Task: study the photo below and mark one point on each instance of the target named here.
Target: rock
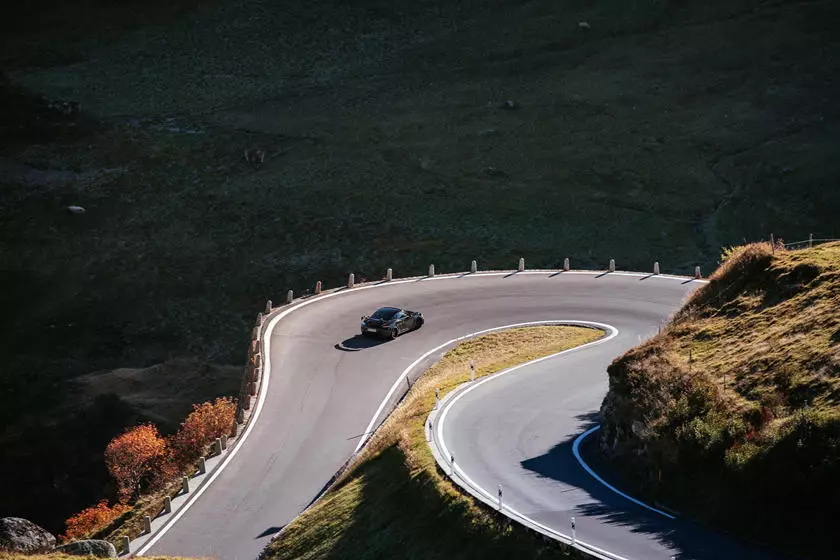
(510, 104)
(584, 25)
(76, 209)
(20, 535)
(100, 549)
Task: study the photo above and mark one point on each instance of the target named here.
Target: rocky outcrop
(97, 548)
(20, 535)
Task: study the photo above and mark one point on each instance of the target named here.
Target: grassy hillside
(679, 126)
(395, 503)
(733, 412)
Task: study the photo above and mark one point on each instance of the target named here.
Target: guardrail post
(167, 504)
(772, 244)
(317, 287)
(268, 307)
(473, 267)
(240, 416)
(290, 295)
(500, 497)
(147, 524)
(612, 265)
(224, 441)
(437, 397)
(521, 264)
(351, 280)
(656, 267)
(217, 446)
(810, 240)
(566, 264)
(202, 465)
(697, 272)
(574, 536)
(125, 544)
(389, 275)
(185, 484)
(431, 270)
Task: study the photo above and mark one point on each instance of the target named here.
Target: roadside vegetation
(394, 502)
(732, 413)
(60, 556)
(145, 467)
(389, 143)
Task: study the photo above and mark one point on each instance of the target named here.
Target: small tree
(205, 423)
(134, 457)
(90, 520)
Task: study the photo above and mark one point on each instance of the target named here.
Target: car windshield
(385, 313)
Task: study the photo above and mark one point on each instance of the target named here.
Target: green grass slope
(395, 503)
(732, 413)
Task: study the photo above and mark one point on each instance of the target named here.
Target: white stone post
(167, 504)
(473, 267)
(147, 524)
(317, 287)
(612, 265)
(500, 497)
(431, 270)
(351, 280)
(656, 267)
(697, 272)
(574, 536)
(437, 397)
(268, 307)
(217, 446)
(185, 484)
(389, 275)
(224, 441)
(566, 264)
(202, 465)
(472, 370)
(521, 264)
(290, 295)
(126, 544)
(810, 240)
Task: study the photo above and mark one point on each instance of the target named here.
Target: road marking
(444, 451)
(576, 451)
(266, 334)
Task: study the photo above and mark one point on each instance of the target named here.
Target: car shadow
(358, 342)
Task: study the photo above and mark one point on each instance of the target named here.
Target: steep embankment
(732, 413)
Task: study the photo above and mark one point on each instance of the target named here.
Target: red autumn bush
(92, 519)
(205, 423)
(134, 459)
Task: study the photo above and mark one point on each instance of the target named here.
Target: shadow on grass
(358, 342)
(387, 511)
(685, 539)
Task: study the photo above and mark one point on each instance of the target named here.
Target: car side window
(400, 315)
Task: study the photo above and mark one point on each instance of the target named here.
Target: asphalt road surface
(326, 383)
(517, 430)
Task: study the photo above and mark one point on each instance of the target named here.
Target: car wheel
(393, 333)
(420, 322)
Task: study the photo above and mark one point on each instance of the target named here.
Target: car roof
(389, 309)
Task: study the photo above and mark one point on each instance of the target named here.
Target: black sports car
(391, 322)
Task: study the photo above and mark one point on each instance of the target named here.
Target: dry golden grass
(740, 395)
(393, 502)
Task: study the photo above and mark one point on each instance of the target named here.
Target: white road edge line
(587, 468)
(613, 332)
(266, 334)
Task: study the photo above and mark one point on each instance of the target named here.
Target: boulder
(97, 548)
(20, 535)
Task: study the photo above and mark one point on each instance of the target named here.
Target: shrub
(92, 519)
(205, 423)
(134, 458)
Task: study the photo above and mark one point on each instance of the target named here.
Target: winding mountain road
(325, 384)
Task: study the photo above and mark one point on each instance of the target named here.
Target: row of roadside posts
(571, 519)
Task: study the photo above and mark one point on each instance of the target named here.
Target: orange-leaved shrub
(92, 519)
(205, 423)
(135, 458)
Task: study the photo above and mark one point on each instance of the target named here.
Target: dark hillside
(661, 131)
